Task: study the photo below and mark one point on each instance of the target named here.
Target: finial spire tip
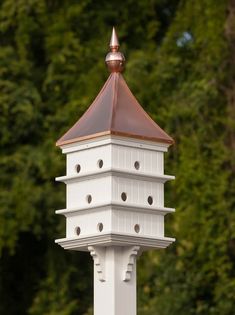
(114, 43)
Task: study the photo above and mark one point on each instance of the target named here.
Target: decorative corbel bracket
(130, 255)
(125, 258)
(98, 254)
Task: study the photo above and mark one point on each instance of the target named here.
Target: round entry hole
(137, 228)
(78, 230)
(100, 163)
(124, 196)
(150, 200)
(100, 227)
(89, 198)
(78, 168)
(137, 165)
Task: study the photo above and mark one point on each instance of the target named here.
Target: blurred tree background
(181, 67)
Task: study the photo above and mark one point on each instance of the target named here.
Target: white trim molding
(109, 239)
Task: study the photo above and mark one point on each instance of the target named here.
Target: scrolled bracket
(129, 259)
(98, 255)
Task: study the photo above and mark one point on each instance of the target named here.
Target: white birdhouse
(115, 188)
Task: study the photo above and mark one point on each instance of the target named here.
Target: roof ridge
(115, 92)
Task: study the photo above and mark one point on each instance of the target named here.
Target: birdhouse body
(114, 193)
(115, 188)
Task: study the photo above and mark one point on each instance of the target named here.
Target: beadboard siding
(110, 188)
(99, 189)
(137, 191)
(115, 221)
(88, 223)
(105, 184)
(150, 161)
(115, 156)
(88, 159)
(150, 224)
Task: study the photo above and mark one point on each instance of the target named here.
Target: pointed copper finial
(114, 60)
(114, 43)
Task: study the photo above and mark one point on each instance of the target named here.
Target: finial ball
(115, 61)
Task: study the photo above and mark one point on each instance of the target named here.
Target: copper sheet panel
(115, 111)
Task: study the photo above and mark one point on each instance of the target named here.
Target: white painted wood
(115, 206)
(88, 223)
(150, 225)
(115, 210)
(114, 221)
(99, 256)
(114, 171)
(104, 184)
(78, 192)
(90, 164)
(115, 157)
(137, 191)
(150, 162)
(117, 293)
(122, 141)
(110, 189)
(107, 239)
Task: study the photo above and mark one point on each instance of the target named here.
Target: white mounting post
(114, 279)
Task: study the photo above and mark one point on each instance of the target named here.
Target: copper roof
(115, 111)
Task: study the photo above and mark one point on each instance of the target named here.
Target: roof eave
(169, 141)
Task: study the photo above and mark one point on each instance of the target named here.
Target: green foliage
(179, 67)
(197, 275)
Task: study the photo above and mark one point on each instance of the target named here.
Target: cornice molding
(110, 239)
(114, 140)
